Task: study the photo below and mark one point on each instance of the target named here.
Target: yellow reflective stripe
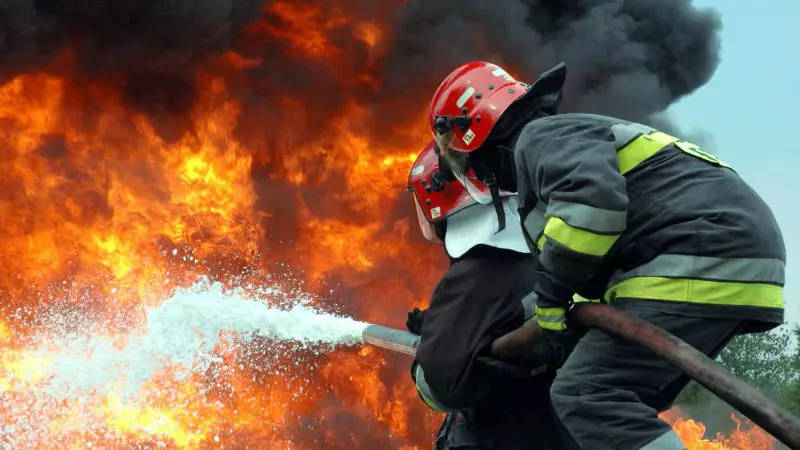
(647, 145)
(551, 318)
(578, 240)
(576, 298)
(642, 148)
(723, 293)
(540, 242)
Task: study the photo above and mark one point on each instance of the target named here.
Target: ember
(262, 144)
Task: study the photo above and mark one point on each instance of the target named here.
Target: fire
(110, 203)
(693, 434)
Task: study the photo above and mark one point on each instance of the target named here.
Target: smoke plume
(628, 58)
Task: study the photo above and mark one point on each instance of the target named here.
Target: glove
(414, 321)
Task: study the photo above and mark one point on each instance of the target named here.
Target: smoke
(626, 58)
(120, 35)
(630, 59)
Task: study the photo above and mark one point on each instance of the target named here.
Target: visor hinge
(446, 124)
(437, 183)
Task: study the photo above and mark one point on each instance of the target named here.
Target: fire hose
(753, 404)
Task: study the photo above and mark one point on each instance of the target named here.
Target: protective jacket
(621, 211)
(477, 300)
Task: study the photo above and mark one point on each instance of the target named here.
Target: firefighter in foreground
(477, 300)
(650, 223)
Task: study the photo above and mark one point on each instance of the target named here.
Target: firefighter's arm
(461, 322)
(575, 171)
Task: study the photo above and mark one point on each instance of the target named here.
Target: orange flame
(693, 435)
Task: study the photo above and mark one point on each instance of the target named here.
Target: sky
(751, 110)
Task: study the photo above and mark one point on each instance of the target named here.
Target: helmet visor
(458, 163)
(426, 227)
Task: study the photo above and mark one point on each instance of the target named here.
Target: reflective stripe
(534, 225)
(540, 242)
(602, 221)
(625, 133)
(642, 148)
(667, 441)
(534, 221)
(551, 318)
(579, 299)
(578, 240)
(748, 270)
(722, 293)
(425, 390)
(636, 143)
(529, 306)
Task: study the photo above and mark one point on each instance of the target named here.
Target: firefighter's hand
(415, 320)
(562, 343)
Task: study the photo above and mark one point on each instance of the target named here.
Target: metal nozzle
(391, 339)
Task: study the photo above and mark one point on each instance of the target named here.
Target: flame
(107, 208)
(693, 434)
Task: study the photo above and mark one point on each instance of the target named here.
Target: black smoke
(631, 58)
(113, 36)
(628, 58)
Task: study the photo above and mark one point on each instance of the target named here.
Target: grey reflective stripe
(425, 390)
(551, 318)
(601, 221)
(529, 305)
(748, 270)
(624, 134)
(534, 221)
(667, 441)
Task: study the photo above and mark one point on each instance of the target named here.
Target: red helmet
(470, 101)
(468, 104)
(436, 195)
(464, 110)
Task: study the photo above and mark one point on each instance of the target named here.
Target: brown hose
(750, 402)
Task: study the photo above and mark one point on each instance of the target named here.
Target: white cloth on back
(477, 224)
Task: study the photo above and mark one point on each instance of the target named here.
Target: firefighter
(479, 298)
(652, 224)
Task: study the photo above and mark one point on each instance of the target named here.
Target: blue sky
(751, 109)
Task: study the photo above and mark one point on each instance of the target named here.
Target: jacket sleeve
(572, 166)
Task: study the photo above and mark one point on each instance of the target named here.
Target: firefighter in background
(479, 298)
(652, 224)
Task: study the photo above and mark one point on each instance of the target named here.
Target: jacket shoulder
(539, 133)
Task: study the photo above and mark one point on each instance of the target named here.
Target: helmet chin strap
(497, 201)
